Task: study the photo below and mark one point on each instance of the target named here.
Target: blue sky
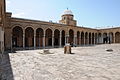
(88, 13)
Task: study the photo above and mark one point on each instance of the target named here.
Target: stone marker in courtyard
(67, 49)
(46, 51)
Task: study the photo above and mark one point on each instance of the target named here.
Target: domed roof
(68, 12)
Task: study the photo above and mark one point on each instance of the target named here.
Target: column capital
(60, 31)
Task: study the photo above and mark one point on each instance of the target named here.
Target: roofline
(52, 23)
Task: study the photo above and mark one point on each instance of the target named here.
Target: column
(97, 39)
(53, 39)
(107, 38)
(80, 39)
(113, 37)
(88, 39)
(75, 39)
(94, 39)
(44, 39)
(23, 39)
(34, 39)
(67, 39)
(84, 39)
(60, 39)
(91, 39)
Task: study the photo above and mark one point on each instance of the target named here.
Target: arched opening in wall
(111, 37)
(82, 38)
(17, 37)
(78, 38)
(93, 38)
(63, 37)
(86, 38)
(71, 36)
(89, 38)
(48, 37)
(117, 37)
(105, 38)
(56, 37)
(100, 38)
(29, 37)
(39, 37)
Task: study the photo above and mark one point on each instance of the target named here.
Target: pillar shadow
(6, 72)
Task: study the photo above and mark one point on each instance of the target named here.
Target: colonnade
(48, 38)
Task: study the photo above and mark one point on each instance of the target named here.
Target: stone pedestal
(67, 49)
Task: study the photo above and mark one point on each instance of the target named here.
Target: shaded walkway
(5, 68)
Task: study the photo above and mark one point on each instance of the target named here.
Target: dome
(67, 12)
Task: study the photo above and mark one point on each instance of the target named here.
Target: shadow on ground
(6, 72)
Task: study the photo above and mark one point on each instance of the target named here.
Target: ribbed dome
(67, 12)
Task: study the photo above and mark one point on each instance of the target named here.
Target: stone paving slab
(87, 63)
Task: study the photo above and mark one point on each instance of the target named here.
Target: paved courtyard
(86, 63)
